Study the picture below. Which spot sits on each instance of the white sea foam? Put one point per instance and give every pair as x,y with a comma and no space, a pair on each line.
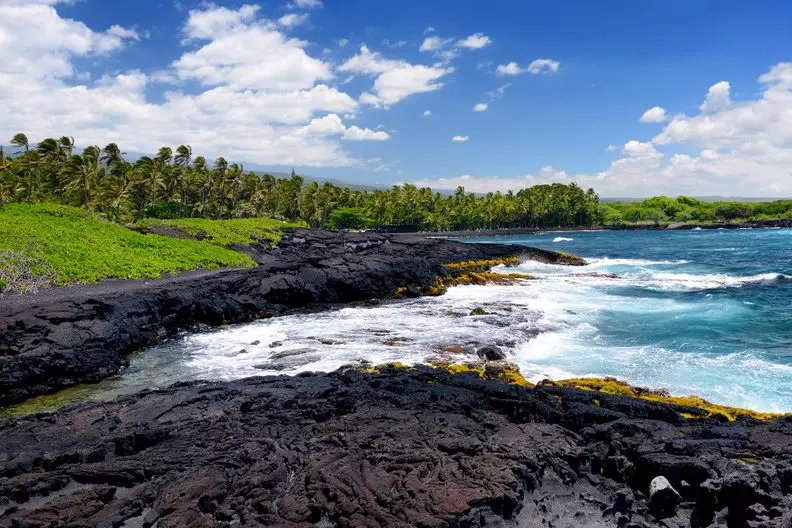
563,239
560,326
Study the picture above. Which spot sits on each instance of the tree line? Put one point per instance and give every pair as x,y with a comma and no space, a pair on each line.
662,209
178,184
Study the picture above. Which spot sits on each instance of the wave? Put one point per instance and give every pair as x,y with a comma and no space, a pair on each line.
563,239
712,281
605,261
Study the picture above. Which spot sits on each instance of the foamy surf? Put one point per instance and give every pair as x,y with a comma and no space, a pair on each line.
662,313
563,239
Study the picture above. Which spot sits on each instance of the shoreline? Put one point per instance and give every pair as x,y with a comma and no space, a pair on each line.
446,444
64,336
678,226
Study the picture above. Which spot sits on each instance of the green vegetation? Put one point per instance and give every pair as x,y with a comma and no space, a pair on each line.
224,233
53,244
703,408
175,185
662,210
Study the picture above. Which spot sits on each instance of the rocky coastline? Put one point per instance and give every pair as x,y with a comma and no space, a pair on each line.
674,226
63,336
428,446
417,447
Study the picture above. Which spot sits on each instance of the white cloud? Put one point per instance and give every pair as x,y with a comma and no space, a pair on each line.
246,53
331,125
37,42
475,41
428,30
206,24
343,42
460,139
293,19
394,80
536,67
481,107
485,184
427,113
260,91
611,148
433,44
729,149
543,66
718,98
508,69
304,4
655,114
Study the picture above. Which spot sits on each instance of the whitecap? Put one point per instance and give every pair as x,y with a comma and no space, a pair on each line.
563,239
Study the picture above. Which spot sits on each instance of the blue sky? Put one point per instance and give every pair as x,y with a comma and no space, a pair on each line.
341,88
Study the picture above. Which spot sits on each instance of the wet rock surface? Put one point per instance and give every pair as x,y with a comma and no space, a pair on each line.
68,335
395,447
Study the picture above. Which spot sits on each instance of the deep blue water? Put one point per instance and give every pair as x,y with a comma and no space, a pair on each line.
706,312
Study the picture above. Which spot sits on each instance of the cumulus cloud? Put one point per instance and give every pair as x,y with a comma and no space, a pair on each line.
475,41
481,107
729,149
394,80
536,67
331,125
305,4
246,53
485,184
433,44
261,94
718,97
460,139
655,114
427,113
293,19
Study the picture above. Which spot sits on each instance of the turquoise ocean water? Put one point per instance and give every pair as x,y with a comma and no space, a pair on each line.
705,312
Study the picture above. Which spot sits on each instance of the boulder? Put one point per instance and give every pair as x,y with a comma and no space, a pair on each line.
663,498
491,353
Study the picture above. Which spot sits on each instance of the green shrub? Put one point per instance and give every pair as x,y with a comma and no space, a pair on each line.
70,245
224,232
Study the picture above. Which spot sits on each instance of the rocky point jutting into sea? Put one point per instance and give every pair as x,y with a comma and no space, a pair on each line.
440,445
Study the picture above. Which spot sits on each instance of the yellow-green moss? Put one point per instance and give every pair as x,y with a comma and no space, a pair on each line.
505,374
479,265
709,410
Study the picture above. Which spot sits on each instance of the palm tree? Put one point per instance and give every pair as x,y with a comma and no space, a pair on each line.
21,140
82,172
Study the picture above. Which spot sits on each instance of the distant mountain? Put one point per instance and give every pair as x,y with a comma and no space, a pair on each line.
320,181
703,199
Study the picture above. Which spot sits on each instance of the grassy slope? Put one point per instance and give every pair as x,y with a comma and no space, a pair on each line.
78,246
224,232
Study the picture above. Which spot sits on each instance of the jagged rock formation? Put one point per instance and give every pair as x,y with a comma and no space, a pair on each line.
388,447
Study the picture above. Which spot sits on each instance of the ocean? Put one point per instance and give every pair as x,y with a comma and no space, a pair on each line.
705,312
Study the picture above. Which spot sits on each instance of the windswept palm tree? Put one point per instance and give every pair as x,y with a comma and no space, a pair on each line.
82,172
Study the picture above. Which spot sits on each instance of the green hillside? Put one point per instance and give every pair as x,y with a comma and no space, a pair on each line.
44,245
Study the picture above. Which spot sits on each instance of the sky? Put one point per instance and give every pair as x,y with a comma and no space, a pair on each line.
632,99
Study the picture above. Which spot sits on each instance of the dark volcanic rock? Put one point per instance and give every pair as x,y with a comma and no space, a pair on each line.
397,448
491,353
68,335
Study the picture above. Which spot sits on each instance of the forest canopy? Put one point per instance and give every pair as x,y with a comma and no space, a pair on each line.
177,184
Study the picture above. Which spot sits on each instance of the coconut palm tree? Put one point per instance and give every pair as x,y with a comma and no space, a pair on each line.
82,172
